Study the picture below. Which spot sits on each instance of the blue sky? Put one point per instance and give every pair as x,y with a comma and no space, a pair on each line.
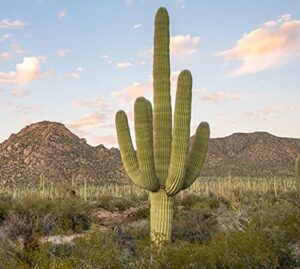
78,62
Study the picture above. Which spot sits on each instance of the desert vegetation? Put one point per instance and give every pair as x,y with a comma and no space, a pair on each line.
66,228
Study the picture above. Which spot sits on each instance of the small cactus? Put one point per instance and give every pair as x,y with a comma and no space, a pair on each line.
162,162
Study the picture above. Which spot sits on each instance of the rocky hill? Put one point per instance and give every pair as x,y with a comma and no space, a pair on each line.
257,154
50,149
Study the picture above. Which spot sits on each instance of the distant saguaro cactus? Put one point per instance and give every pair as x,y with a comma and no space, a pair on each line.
297,170
162,163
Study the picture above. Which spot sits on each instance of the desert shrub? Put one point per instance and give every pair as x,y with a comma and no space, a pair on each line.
142,213
281,222
71,214
5,206
111,203
250,249
190,201
33,216
196,221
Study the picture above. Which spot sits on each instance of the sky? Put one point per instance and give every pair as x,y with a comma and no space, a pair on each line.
79,61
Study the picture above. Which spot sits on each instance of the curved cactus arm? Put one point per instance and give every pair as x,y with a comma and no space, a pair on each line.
162,96
181,133
127,151
197,154
144,142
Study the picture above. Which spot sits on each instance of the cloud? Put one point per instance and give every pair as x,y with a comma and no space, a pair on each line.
11,24
76,74
221,97
61,14
139,25
25,72
123,64
128,2
131,92
62,52
4,37
265,112
96,103
180,45
4,56
268,46
183,45
89,120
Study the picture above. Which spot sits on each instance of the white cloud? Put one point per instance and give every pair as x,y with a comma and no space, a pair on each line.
62,52
183,45
5,37
11,24
61,14
89,120
25,72
268,46
123,64
75,74
139,25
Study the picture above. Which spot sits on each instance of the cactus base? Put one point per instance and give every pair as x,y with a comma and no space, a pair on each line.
161,213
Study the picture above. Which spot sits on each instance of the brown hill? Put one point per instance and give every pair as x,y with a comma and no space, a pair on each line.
257,154
50,149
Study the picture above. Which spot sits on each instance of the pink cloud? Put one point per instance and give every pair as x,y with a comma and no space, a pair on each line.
183,45
62,52
268,46
25,72
89,120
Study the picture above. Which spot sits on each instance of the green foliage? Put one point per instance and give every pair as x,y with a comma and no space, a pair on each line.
112,203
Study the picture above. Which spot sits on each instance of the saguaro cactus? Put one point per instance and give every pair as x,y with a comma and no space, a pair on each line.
162,162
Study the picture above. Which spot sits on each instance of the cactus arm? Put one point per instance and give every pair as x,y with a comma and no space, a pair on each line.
144,142
197,154
127,151
162,97
181,133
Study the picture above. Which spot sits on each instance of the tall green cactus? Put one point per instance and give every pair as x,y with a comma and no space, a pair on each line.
297,170
162,162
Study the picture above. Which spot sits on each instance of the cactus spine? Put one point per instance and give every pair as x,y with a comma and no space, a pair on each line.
297,168
162,162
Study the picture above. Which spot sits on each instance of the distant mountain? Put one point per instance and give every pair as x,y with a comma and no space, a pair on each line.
50,149
257,154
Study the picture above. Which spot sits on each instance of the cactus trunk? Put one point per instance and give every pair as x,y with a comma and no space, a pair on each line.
161,216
